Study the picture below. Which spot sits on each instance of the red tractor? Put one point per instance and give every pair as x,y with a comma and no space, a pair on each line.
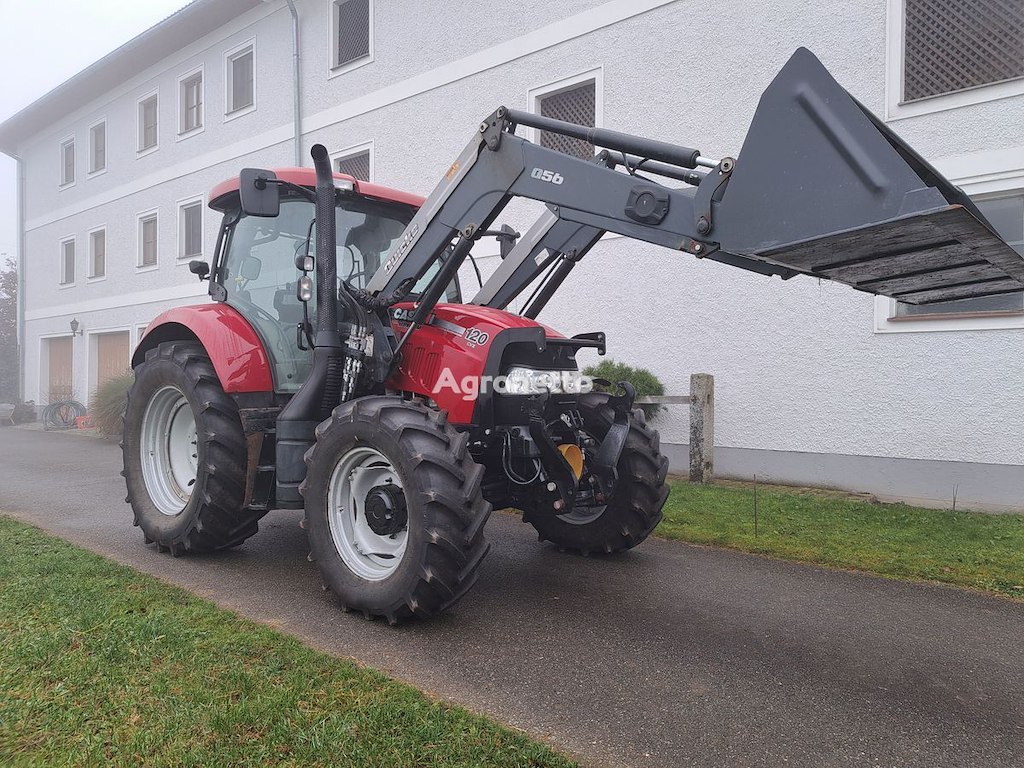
338,369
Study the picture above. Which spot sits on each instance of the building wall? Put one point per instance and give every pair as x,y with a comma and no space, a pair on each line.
802,368
181,168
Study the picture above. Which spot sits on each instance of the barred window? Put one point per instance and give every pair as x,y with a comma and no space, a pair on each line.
951,47
577,104
351,20
356,165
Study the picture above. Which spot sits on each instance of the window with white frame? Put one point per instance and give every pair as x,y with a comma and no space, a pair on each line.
354,164
955,46
351,32
67,261
190,103
67,162
575,103
147,240
149,117
1006,215
241,83
97,147
97,253
190,230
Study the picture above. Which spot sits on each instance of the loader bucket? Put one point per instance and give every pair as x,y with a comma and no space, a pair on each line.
823,187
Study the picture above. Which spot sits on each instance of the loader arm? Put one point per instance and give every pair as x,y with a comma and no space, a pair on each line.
553,247
821,187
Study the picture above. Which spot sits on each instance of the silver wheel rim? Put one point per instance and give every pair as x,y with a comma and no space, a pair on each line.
583,515
368,555
169,450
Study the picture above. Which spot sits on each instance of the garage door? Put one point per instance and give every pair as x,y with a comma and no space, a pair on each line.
59,366
111,355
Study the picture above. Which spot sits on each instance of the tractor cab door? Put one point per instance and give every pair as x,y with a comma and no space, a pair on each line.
259,275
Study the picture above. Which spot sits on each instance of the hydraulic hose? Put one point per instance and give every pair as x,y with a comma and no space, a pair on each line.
372,303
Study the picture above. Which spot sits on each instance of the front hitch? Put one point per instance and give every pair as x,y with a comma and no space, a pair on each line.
562,483
561,479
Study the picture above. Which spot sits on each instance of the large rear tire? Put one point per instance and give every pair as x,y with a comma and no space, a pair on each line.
634,508
394,508
185,454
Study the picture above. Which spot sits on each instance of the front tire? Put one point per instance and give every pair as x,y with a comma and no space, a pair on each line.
394,508
184,454
634,508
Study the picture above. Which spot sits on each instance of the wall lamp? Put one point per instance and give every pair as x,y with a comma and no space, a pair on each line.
76,330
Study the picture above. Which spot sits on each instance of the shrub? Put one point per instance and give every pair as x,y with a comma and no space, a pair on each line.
108,404
645,382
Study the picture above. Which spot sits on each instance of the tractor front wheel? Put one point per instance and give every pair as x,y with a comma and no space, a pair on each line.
394,508
634,507
185,454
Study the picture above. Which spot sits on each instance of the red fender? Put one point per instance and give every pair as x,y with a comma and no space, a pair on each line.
234,347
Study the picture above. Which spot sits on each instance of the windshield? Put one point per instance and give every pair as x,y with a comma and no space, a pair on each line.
258,271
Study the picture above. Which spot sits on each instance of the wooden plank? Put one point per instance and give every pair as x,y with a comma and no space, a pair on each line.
941,279
911,235
1009,285
702,427
924,244
886,266
662,399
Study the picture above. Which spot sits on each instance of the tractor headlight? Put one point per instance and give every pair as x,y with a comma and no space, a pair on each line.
529,381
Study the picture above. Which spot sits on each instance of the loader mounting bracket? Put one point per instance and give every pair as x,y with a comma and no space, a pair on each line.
493,127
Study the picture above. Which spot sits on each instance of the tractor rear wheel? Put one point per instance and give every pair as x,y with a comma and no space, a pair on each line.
634,507
185,454
394,508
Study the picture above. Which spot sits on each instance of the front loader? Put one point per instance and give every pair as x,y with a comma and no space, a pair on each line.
339,370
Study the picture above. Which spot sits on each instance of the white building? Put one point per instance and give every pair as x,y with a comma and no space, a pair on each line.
816,383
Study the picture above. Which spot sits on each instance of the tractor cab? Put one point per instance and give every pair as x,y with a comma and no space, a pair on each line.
257,267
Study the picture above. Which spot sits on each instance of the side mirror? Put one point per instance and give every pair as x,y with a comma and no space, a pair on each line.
199,268
259,193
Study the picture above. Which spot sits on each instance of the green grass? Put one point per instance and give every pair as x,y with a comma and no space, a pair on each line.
962,548
101,665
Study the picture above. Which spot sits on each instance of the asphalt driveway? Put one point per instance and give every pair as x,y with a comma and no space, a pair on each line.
669,655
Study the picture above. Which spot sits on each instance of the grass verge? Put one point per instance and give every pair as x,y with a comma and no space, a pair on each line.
830,528
100,665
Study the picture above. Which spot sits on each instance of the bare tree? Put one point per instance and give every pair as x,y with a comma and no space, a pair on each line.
8,332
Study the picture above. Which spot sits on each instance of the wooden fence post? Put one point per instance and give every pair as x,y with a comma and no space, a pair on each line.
702,427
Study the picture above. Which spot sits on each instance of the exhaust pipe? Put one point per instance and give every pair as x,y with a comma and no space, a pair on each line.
296,424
